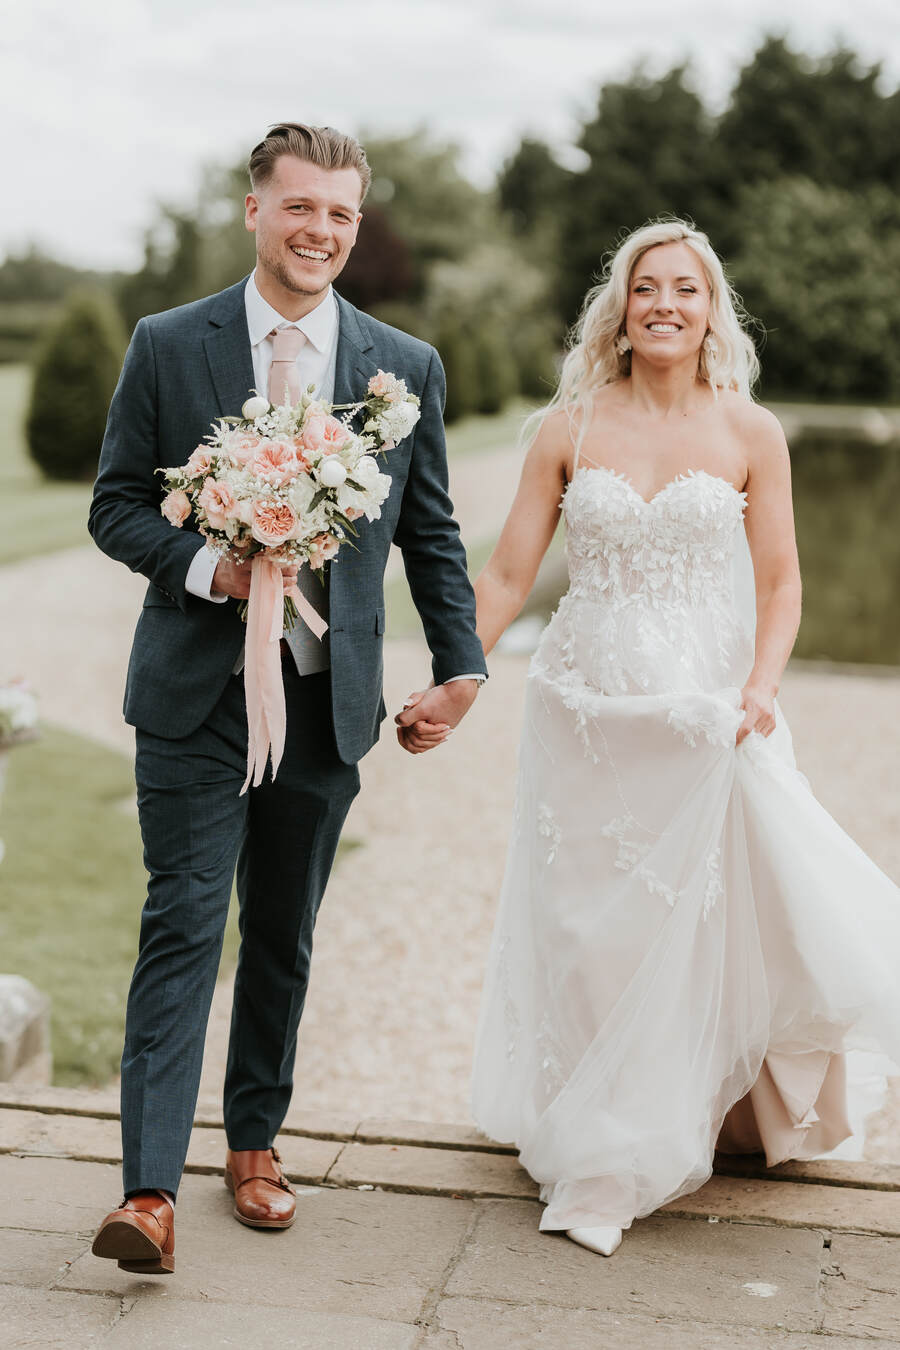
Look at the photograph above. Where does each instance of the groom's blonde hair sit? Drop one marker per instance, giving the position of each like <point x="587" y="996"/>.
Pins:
<point x="322" y="146"/>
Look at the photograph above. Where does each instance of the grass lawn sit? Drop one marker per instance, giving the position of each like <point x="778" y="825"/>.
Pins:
<point x="71" y="890"/>
<point x="474" y="434"/>
<point x="48" y="516"/>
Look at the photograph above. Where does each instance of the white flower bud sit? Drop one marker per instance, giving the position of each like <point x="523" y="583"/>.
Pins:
<point x="255" y="407"/>
<point x="331" y="472"/>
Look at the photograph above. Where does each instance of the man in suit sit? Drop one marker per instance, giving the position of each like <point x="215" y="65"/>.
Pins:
<point x="283" y="327"/>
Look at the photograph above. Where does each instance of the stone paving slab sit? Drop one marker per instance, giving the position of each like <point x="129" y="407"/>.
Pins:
<point x="41" y="1320"/>
<point x="664" y="1268"/>
<point x="370" y="1255"/>
<point x="480" y="1324"/>
<point x="430" y="1134"/>
<point x="432" y="1171"/>
<point x="179" y="1325"/>
<point x="870" y="1176"/>
<point x="862" y="1287"/>
<point x="383" y="1271"/>
<point x="306" y="1159"/>
<point x="801" y="1206"/>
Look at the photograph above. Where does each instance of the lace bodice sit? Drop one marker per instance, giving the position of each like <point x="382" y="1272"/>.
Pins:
<point x="650" y="606"/>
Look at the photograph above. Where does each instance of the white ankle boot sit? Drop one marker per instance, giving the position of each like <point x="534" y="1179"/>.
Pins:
<point x="601" y="1240"/>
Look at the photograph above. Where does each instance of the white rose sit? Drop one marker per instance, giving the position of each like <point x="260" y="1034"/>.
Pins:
<point x="366" y="471"/>
<point x="331" y="472"/>
<point x="255" y="407"/>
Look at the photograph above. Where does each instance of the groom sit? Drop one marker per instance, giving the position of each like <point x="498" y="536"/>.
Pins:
<point x="281" y="329"/>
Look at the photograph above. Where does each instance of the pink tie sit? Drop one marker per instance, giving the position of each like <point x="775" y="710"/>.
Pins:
<point x="284" y="377"/>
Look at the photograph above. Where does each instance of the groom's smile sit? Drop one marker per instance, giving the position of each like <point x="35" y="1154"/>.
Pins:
<point x="305" y="220"/>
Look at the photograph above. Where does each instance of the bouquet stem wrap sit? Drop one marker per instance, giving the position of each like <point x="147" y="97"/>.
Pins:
<point x="263" y="685"/>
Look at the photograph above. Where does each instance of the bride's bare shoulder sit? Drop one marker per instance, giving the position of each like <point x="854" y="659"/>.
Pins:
<point x="751" y="423"/>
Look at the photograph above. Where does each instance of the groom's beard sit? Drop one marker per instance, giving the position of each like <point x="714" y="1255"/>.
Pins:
<point x="280" y="270"/>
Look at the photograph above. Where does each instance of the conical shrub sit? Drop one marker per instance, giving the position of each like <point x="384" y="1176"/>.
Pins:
<point x="75" y="374"/>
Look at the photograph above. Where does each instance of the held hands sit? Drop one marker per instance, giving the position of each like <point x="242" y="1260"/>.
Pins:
<point x="231" y="578"/>
<point x="429" y="716"/>
<point x="759" y="712"/>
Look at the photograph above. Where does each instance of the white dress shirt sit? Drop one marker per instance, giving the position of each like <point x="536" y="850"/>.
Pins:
<point x="315" y="366"/>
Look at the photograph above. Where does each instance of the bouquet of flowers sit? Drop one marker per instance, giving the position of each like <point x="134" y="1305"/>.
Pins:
<point x="282" y="487"/>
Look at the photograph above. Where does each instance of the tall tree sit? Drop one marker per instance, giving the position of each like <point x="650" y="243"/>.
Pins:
<point x="790" y="114"/>
<point x="648" y="150"/>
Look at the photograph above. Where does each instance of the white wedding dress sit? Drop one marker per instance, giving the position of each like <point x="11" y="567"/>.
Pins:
<point x="686" y="940"/>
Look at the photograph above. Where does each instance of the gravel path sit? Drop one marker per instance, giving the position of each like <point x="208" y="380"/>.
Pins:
<point x="404" y="928"/>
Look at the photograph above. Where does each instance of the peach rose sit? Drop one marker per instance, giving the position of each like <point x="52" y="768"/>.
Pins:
<point x="217" y="500"/>
<point x="274" y="522"/>
<point x="199" y="463"/>
<point x="276" y="461"/>
<point x="321" y="550"/>
<point x="324" y="435"/>
<point x="243" y="447"/>
<point x="176" y="507"/>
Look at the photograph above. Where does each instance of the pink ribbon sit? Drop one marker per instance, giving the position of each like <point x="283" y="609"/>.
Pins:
<point x="263" y="685"/>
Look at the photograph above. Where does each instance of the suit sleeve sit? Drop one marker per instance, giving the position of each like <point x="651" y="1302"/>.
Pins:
<point x="125" y="520"/>
<point x="433" y="554"/>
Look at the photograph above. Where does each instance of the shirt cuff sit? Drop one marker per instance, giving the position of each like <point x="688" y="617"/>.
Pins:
<point x="200" y="574"/>
<point x="479" y="678"/>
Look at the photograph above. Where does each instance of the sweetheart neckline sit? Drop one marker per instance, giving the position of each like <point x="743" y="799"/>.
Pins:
<point x="649" y="501"/>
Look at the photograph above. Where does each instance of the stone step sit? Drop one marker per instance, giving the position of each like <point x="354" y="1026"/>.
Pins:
<point x="423" y="1168"/>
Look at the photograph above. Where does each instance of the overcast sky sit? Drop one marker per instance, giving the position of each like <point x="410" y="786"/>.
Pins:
<point x="109" y="106"/>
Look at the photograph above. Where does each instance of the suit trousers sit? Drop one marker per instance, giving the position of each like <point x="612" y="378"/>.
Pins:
<point x="282" y="837"/>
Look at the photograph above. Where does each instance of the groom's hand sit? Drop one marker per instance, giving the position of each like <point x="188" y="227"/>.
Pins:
<point x="231" y="578"/>
<point x="428" y="717"/>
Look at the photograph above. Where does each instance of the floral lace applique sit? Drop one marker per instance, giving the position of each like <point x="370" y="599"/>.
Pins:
<point x="700" y="716"/>
<point x="549" y="829"/>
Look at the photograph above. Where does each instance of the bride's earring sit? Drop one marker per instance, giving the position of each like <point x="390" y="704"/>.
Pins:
<point x="623" y="345"/>
<point x="710" y="347"/>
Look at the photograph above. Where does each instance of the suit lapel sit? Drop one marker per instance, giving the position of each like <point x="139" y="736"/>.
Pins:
<point x="353" y="367"/>
<point x="227" y="347"/>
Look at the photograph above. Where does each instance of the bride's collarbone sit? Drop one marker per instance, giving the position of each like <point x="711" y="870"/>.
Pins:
<point x="650" y="474"/>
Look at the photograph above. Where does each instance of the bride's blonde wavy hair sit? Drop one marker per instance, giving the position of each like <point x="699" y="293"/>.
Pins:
<point x="592" y="361"/>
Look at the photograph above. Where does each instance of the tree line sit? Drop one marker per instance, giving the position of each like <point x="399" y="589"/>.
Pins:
<point x="796" y="181"/>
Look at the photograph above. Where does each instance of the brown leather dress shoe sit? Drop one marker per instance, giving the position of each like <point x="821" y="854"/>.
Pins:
<point x="140" y="1235"/>
<point x="262" y="1196"/>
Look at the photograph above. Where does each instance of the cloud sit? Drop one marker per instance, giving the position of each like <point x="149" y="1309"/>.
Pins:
<point x="116" y="107"/>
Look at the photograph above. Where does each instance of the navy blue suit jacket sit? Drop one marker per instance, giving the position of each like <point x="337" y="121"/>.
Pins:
<point x="183" y="369"/>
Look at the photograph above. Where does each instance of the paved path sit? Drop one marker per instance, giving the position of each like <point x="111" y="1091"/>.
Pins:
<point x="427" y="1240"/>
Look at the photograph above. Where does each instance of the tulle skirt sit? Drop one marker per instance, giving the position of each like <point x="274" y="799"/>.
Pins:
<point x="686" y="945"/>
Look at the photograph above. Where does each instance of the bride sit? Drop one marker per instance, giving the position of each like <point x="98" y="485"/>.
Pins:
<point x="686" y="942"/>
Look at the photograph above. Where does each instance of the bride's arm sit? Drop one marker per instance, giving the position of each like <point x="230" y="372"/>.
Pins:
<point x="503" y="586"/>
<point x="770" y="533"/>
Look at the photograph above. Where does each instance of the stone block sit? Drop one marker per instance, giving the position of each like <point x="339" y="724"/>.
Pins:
<point x="37" y="1259"/>
<point x="424" y="1132"/>
<point x="24" y="1031"/>
<point x="181" y="1324"/>
<point x="370" y="1255"/>
<point x="432" y="1171"/>
<point x="53" y="1321"/>
<point x="479" y="1324"/>
<point x="735" y="1274"/>
<point x="862" y="1288"/>
<point x="793" y="1205"/>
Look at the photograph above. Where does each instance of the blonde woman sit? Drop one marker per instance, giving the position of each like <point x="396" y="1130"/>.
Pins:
<point x="686" y="941"/>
